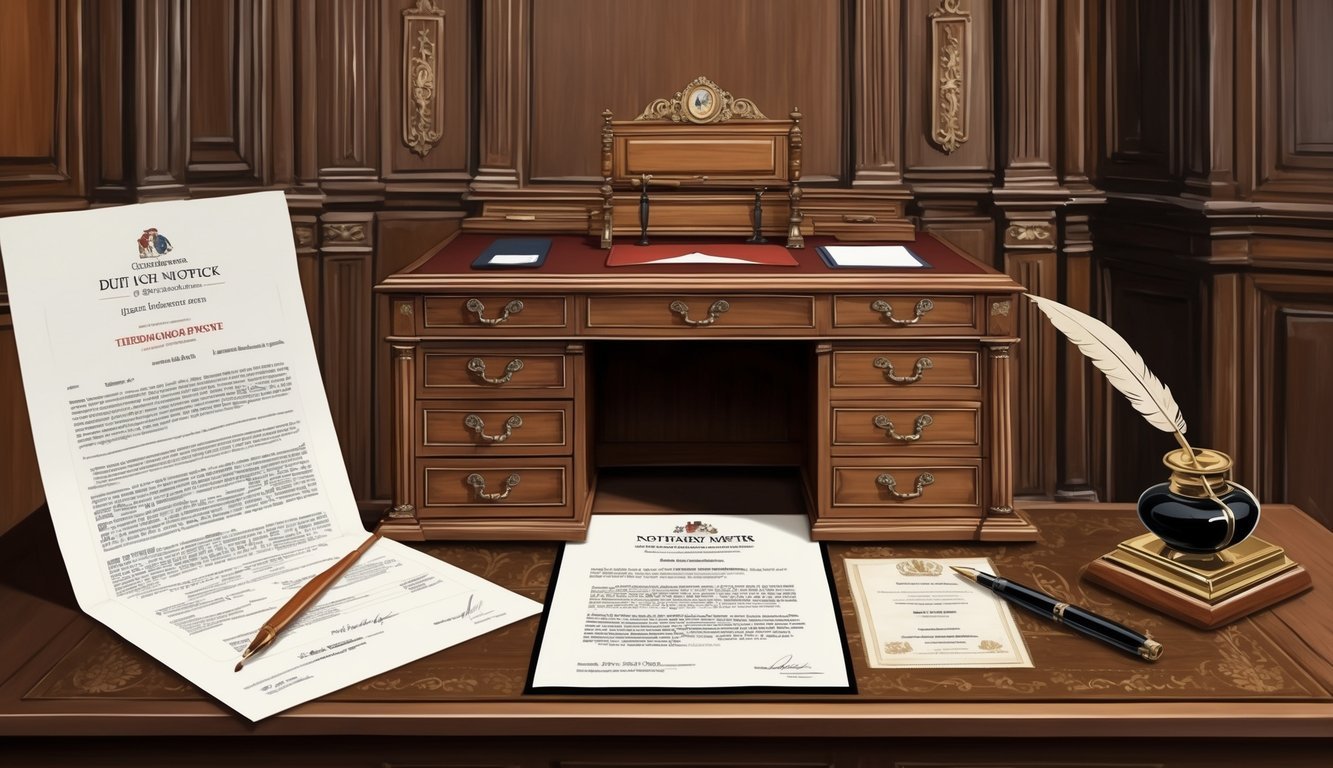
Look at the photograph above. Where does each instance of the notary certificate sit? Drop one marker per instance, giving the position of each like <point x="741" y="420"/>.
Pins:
<point x="189" y="457"/>
<point x="669" y="602"/>
<point x="917" y="612"/>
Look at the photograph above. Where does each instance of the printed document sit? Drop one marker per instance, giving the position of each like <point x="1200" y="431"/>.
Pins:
<point x="190" y="461"/>
<point x="916" y="612"/>
<point x="663" y="601"/>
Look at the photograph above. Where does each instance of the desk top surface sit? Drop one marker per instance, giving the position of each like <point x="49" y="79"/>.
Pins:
<point x="1269" y="675"/>
<point x="575" y="262"/>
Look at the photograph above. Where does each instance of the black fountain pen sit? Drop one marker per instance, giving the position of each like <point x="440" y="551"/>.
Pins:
<point x="1078" y="619"/>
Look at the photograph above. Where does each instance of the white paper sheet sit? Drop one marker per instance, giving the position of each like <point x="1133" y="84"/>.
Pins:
<point x="701" y="258"/>
<point x="917" y="612"/>
<point x="514" y="258"/>
<point x="189" y="458"/>
<point x="668" y="601"/>
<point x="872" y="256"/>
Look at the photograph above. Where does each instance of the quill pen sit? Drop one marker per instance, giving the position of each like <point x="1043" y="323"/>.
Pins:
<point x="1125" y="370"/>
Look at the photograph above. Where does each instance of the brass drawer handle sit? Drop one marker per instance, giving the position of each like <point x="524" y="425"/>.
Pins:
<point x="887" y="482"/>
<point x="476" y="307"/>
<point x="922" y="365"/>
<point x="683" y="309"/>
<point x="478" y="484"/>
<point x="473" y="422"/>
<point x="858" y="218"/>
<point x="884" y="308"/>
<point x="922" y="421"/>
<point x="477" y="367"/>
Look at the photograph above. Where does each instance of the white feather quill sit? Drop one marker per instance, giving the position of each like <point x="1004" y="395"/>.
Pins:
<point x="1123" y="366"/>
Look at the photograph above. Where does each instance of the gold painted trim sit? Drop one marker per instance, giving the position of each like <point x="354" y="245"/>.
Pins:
<point x="423" y="35"/>
<point x="701" y="101"/>
<point x="1027" y="233"/>
<point x="1210" y="578"/>
<point x="950" y="65"/>
<point x="1058" y="612"/>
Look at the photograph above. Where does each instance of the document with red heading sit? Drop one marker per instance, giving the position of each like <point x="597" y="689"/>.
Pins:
<point x="189" y="457"/>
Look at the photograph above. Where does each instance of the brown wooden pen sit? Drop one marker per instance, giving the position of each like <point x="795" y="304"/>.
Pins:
<point x="302" y="600"/>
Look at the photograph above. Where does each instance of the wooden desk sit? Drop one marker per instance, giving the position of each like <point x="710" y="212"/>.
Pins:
<point x="886" y="392"/>
<point x="1241" y="695"/>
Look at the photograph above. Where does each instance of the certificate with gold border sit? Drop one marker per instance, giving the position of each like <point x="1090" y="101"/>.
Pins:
<point x="915" y="612"/>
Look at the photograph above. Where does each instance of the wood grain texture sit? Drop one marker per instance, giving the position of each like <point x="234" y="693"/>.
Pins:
<point x="18" y="472"/>
<point x="780" y="54"/>
<point x="1264" y="683"/>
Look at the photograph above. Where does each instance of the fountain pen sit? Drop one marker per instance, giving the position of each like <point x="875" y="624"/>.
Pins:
<point x="1078" y="619"/>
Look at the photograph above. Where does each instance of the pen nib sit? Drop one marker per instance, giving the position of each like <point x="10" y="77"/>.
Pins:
<point x="966" y="572"/>
<point x="239" y="664"/>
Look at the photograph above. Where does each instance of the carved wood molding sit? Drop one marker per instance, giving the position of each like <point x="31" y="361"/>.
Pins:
<point x="423" y="76"/>
<point x="343" y="233"/>
<point x="950" y="52"/>
<point x="701" y="101"/>
<point x="1028" y="234"/>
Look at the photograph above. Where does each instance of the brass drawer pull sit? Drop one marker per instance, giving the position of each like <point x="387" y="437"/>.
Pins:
<point x="923" y="364"/>
<point x="476" y="307"/>
<point x="858" y="218"/>
<point x="887" y="482"/>
<point x="478" y="484"/>
<point x="922" y="421"/>
<point x="884" y="308"/>
<point x="683" y="309"/>
<point x="477" y="367"/>
<point x="473" y="422"/>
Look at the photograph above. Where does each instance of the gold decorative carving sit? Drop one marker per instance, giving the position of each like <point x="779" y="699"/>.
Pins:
<point x="304" y="234"/>
<point x="1027" y="233"/>
<point x="919" y="567"/>
<point x="344" y="233"/>
<point x="701" y="101"/>
<point x="1000" y="308"/>
<point x="423" y="34"/>
<point x="951" y="51"/>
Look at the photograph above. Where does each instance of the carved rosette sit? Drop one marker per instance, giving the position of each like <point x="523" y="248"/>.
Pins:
<point x="950" y="51"/>
<point x="423" y="72"/>
<point x="701" y="101"/>
<point x="343" y="233"/>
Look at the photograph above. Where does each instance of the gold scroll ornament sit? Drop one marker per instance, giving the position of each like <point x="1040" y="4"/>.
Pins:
<point x="423" y="35"/>
<point x="950" y="52"/>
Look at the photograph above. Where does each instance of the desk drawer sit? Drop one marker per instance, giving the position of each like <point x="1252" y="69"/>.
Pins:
<point x="494" y="428"/>
<point x="906" y="428"/>
<point x="907" y="314"/>
<point x="525" y="488"/>
<point x="495" y="315"/>
<point x="909" y="485"/>
<point x="904" y="372"/>
<point x="702" y="314"/>
<point x="490" y="371"/>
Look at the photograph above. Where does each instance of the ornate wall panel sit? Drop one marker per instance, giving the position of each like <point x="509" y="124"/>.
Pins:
<point x="1291" y="344"/>
<point x="1140" y="109"/>
<point x="877" y="90"/>
<point x="227" y="71"/>
<point x="590" y="55"/>
<point x="346" y="41"/>
<point x="948" y="49"/>
<point x="159" y="133"/>
<point x="426" y="87"/>
<point x="41" y="145"/>
<point x="1295" y="145"/>
<point x="346" y="247"/>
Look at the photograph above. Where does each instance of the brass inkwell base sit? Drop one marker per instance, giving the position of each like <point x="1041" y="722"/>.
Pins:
<point x="1204" y="590"/>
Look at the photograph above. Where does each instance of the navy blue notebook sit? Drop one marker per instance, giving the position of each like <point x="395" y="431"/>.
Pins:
<point x="513" y="253"/>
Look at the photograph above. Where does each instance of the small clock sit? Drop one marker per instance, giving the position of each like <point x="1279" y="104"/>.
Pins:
<point x="702" y="103"/>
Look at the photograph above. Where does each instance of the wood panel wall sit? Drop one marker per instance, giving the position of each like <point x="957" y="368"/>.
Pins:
<point x="1160" y="163"/>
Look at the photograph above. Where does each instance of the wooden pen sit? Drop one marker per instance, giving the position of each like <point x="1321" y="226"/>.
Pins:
<point x="302" y="600"/>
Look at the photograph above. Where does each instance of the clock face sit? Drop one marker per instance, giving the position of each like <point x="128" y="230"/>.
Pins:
<point x="701" y="103"/>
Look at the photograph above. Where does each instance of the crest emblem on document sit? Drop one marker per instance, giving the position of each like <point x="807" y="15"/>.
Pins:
<point x="695" y="527"/>
<point x="901" y="646"/>
<point x="153" y="244"/>
<point x="990" y="645"/>
<point x="920" y="568"/>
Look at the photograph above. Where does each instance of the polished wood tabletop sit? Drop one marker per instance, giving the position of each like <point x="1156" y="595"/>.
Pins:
<point x="1267" y="677"/>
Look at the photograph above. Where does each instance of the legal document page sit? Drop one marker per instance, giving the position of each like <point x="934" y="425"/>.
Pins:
<point x="189" y="457"/>
<point x="664" y="601"/>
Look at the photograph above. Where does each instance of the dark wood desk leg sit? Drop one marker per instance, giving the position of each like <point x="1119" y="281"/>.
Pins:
<point x="1001" y="522"/>
<point x="401" y="521"/>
